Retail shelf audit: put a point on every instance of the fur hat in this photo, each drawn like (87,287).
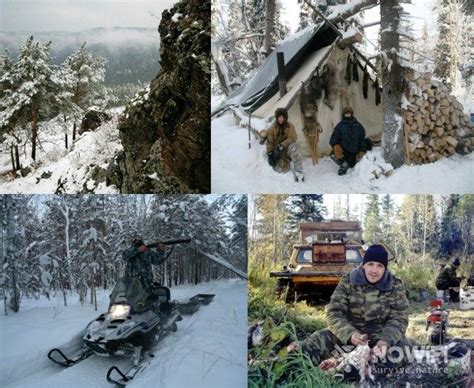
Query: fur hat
(376,253)
(281,112)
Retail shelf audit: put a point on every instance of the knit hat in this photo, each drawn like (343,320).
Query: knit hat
(456,262)
(376,253)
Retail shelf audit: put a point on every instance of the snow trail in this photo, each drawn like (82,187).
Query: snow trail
(209,348)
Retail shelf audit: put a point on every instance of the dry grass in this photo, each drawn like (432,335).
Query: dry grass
(460,322)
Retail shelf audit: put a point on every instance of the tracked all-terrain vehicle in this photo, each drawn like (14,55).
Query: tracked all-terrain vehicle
(326,252)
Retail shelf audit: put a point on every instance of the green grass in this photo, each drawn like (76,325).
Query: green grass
(284,323)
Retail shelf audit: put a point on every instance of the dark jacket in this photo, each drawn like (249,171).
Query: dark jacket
(447,278)
(380,310)
(139,264)
(350,134)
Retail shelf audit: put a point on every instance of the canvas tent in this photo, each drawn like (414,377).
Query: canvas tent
(306,52)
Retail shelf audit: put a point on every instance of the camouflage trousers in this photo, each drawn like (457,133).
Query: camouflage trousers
(295,156)
(319,345)
(323,344)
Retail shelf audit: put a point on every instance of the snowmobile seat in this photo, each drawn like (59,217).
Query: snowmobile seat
(162,293)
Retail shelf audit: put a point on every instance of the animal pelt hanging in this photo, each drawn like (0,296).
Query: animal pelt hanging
(378,97)
(348,76)
(355,71)
(365,82)
(315,89)
(328,80)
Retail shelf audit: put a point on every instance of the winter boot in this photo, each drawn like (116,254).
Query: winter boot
(343,169)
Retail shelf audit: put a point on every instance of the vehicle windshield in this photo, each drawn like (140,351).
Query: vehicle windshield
(353,256)
(306,256)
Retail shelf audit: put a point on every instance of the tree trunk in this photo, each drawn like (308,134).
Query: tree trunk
(12,158)
(393,134)
(270,9)
(221,68)
(34,131)
(74,131)
(17,158)
(11,252)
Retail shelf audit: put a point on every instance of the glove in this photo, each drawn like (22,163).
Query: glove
(360,155)
(338,151)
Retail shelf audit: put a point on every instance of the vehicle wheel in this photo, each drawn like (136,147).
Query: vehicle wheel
(281,287)
(290,293)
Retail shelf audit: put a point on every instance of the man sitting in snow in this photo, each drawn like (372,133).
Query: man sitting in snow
(140,260)
(347,141)
(282,150)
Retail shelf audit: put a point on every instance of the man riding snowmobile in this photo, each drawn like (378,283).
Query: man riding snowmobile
(140,259)
(140,314)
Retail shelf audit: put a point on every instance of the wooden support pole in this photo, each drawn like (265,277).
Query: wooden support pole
(339,33)
(281,73)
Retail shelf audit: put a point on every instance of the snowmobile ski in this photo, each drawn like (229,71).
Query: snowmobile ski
(117,377)
(67,362)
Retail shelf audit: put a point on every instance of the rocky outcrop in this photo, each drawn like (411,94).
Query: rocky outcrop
(165,130)
(92,120)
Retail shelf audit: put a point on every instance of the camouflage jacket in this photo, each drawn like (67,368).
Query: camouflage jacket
(379,310)
(139,264)
(447,278)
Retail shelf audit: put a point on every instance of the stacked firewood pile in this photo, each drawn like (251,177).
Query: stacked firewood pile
(434,122)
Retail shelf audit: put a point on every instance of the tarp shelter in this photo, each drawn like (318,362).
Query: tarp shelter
(310,49)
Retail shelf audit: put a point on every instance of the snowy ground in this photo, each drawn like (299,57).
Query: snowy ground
(208,350)
(237,169)
(71,166)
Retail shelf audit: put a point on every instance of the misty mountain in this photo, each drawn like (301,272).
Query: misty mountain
(132,54)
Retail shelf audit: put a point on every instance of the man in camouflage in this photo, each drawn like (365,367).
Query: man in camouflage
(368,305)
(447,279)
(140,260)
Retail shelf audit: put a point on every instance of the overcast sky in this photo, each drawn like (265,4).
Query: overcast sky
(78,15)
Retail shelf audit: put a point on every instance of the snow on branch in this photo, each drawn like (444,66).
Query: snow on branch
(221,261)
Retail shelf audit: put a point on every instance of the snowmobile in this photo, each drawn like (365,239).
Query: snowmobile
(135,321)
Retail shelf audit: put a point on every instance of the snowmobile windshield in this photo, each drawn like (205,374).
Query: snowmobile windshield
(129,291)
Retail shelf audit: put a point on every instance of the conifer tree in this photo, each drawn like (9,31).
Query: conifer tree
(372,231)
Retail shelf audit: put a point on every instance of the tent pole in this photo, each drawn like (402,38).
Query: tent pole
(250,117)
(339,33)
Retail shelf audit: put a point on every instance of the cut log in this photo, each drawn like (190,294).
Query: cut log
(452,141)
(346,41)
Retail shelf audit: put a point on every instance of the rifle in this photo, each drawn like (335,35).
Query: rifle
(169,242)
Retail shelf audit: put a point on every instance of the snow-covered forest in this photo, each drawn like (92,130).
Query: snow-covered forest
(43,113)
(431,39)
(71,246)
(246,32)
